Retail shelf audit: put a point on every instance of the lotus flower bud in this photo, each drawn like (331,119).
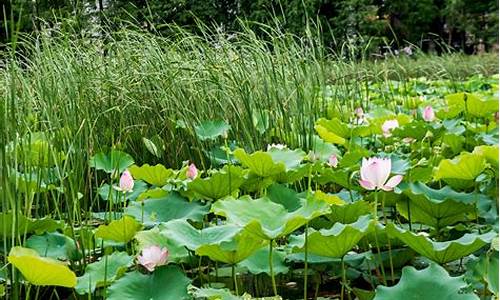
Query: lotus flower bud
(126,182)
(153,257)
(428,114)
(333,161)
(388,126)
(192,172)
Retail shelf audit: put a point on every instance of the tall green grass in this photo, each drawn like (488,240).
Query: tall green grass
(88,95)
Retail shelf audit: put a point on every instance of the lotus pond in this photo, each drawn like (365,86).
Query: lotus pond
(394,200)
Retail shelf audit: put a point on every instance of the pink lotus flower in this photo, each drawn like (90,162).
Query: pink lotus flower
(153,257)
(375,174)
(333,161)
(388,126)
(428,114)
(192,172)
(126,182)
(359,112)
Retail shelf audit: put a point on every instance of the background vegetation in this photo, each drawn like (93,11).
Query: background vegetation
(428,24)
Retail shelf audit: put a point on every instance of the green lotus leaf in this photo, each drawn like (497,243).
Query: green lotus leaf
(415,129)
(337,176)
(349,212)
(41,270)
(453,143)
(243,245)
(54,245)
(422,174)
(173,206)
(258,262)
(218,185)
(431,283)
(107,193)
(36,149)
(437,208)
(182,233)
(259,163)
(336,241)
(154,237)
(112,163)
(214,294)
(331,131)
(291,158)
(254,183)
(225,243)
(267,219)
(293,175)
(103,272)
(491,275)
(441,252)
(209,130)
(152,194)
(484,269)
(166,283)
(353,157)
(11,225)
(461,171)
(331,199)
(323,150)
(285,196)
(473,104)
(490,153)
(122,230)
(155,175)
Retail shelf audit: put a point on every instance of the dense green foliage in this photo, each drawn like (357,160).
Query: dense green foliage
(100,143)
(460,24)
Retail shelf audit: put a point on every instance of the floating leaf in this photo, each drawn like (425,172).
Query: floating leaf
(107,193)
(333,242)
(156,175)
(267,219)
(471,103)
(415,285)
(490,153)
(259,163)
(225,243)
(328,136)
(53,245)
(437,208)
(349,212)
(210,130)
(461,171)
(258,262)
(441,252)
(155,237)
(41,270)
(103,272)
(218,185)
(166,283)
(11,225)
(122,230)
(323,150)
(329,198)
(173,206)
(291,158)
(282,195)
(115,162)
